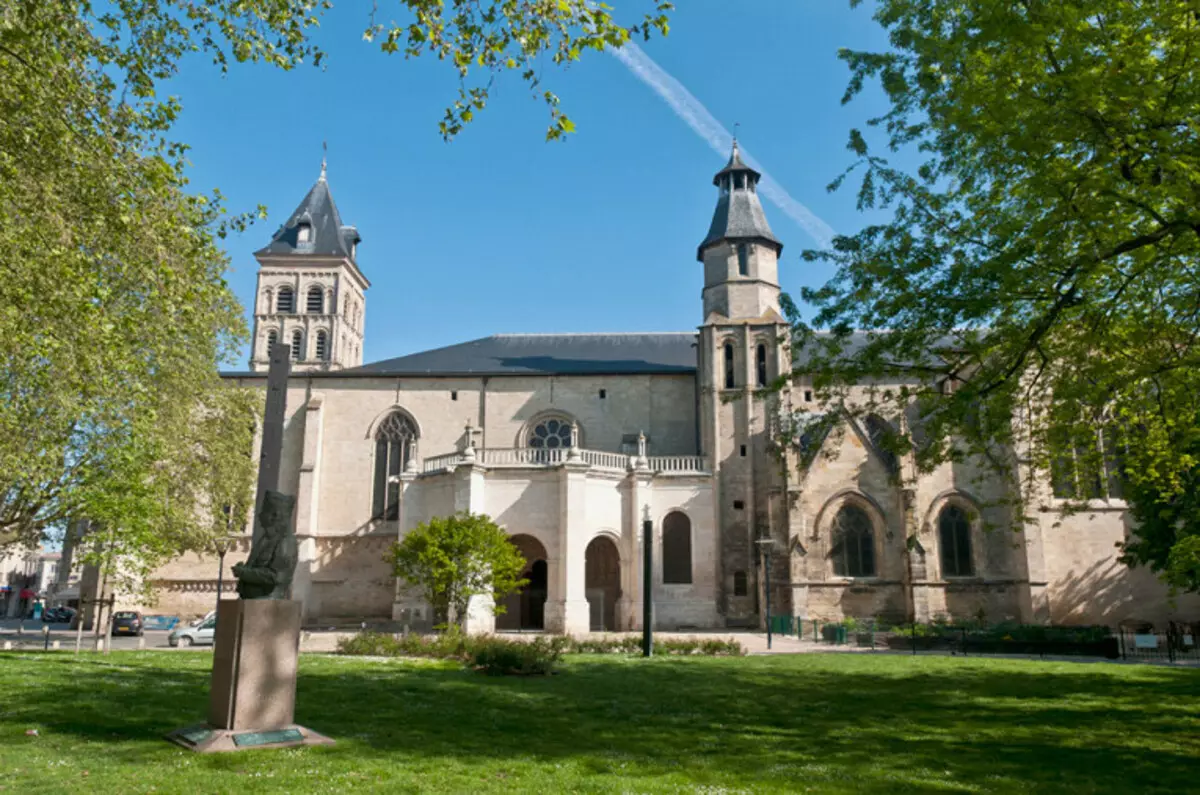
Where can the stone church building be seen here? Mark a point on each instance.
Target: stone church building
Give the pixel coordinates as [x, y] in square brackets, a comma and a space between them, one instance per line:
[570, 441]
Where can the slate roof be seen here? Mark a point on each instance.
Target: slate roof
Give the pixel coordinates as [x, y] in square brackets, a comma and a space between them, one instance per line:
[739, 214]
[330, 237]
[548, 354]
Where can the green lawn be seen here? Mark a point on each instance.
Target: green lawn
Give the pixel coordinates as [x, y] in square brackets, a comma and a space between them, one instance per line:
[818, 723]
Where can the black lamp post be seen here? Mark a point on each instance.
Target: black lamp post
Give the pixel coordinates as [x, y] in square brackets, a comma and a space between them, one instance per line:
[765, 544]
[647, 583]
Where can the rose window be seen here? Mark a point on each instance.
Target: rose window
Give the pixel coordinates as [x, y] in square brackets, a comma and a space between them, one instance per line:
[550, 435]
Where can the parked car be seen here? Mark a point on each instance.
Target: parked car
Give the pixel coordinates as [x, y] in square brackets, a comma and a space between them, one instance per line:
[127, 622]
[58, 615]
[200, 635]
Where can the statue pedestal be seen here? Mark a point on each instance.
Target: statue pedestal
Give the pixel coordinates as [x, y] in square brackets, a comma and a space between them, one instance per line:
[252, 697]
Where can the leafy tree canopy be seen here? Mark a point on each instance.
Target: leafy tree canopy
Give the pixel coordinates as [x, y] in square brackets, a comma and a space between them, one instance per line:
[1041, 263]
[454, 558]
[114, 311]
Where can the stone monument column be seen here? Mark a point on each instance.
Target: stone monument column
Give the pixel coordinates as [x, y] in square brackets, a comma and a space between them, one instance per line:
[252, 694]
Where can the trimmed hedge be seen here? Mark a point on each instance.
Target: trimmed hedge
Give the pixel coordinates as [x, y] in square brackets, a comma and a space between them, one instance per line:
[525, 657]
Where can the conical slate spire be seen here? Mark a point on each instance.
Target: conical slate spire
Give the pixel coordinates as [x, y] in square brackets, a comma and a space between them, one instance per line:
[739, 215]
[326, 236]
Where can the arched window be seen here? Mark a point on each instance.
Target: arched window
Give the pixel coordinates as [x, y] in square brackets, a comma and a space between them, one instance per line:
[285, 300]
[729, 382]
[297, 345]
[272, 338]
[739, 583]
[743, 256]
[677, 549]
[881, 433]
[760, 363]
[853, 543]
[954, 532]
[394, 443]
[322, 346]
[316, 301]
[552, 433]
[304, 233]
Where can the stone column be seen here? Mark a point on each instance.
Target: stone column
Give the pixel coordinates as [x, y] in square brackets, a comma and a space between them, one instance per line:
[629, 606]
[567, 609]
[402, 603]
[307, 504]
[470, 484]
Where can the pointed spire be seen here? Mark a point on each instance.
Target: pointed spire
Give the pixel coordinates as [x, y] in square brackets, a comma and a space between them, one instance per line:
[739, 214]
[325, 156]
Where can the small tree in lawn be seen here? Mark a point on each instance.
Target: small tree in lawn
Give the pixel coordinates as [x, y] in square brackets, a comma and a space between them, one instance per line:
[452, 558]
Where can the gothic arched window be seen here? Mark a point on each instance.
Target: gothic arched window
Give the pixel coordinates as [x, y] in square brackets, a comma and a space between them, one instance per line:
[285, 300]
[729, 380]
[394, 447]
[760, 363]
[550, 434]
[322, 346]
[297, 345]
[954, 532]
[316, 301]
[853, 543]
[677, 549]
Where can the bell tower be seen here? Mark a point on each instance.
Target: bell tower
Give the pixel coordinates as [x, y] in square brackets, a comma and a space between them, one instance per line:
[311, 295]
[742, 352]
[740, 254]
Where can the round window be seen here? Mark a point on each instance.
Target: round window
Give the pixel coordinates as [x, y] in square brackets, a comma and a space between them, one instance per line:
[550, 435]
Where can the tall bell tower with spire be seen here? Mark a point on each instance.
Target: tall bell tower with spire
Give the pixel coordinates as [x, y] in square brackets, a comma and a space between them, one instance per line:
[742, 351]
[311, 294]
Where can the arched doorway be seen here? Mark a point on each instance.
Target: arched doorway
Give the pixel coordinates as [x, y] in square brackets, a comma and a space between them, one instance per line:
[526, 609]
[602, 581]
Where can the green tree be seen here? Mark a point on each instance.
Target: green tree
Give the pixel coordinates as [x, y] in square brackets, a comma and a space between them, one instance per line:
[114, 310]
[1041, 262]
[453, 558]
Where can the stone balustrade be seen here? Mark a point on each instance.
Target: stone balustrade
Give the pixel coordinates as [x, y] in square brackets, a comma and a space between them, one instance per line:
[532, 458]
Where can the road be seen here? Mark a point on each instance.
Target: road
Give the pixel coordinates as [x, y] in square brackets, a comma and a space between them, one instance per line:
[31, 637]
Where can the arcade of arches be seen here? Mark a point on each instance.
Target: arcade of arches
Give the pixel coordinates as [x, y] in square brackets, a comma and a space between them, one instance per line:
[526, 609]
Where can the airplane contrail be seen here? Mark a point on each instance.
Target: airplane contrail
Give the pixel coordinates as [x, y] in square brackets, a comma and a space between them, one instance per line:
[695, 115]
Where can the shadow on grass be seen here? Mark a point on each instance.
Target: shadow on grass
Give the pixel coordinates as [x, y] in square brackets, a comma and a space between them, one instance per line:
[869, 724]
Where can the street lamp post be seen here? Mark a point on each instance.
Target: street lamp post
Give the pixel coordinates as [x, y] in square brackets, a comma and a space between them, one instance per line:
[765, 544]
[647, 583]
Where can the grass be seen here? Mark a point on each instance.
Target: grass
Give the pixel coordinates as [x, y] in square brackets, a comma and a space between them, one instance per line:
[818, 723]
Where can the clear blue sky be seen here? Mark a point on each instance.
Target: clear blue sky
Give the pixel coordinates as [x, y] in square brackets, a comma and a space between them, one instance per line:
[502, 232]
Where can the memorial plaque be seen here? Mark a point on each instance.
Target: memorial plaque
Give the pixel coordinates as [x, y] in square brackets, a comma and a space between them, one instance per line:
[267, 738]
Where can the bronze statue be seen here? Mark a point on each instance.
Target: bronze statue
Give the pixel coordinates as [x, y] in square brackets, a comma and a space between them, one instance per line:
[267, 573]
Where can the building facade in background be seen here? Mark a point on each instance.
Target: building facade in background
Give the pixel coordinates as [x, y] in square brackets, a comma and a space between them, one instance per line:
[571, 441]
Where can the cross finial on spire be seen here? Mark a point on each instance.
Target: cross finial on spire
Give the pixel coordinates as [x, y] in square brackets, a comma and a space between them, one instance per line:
[736, 124]
[324, 156]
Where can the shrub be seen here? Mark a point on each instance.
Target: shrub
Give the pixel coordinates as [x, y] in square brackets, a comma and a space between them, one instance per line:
[503, 657]
[525, 657]
[374, 644]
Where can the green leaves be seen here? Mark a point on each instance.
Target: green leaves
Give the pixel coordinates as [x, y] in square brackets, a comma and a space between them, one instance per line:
[454, 558]
[485, 39]
[1041, 271]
